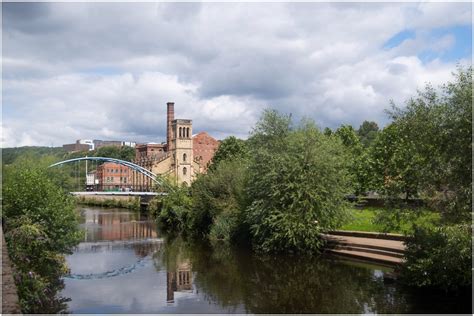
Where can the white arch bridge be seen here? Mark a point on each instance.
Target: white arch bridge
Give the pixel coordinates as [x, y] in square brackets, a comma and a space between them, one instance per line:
[146, 174]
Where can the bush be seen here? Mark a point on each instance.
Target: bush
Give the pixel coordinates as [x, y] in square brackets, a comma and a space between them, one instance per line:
[40, 226]
[219, 200]
[439, 257]
[297, 183]
[175, 210]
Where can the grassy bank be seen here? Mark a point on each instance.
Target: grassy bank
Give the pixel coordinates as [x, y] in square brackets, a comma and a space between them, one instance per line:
[365, 219]
[132, 203]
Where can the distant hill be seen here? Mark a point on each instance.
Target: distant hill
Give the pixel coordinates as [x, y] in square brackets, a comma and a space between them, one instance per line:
[9, 155]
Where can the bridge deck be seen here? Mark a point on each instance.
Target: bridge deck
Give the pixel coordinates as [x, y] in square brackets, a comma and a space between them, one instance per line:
[119, 193]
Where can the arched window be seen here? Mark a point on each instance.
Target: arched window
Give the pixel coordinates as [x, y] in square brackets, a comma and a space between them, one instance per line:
[185, 170]
[180, 132]
[187, 132]
[184, 157]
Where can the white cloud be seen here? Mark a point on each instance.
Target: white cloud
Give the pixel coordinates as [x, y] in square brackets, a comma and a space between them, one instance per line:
[107, 70]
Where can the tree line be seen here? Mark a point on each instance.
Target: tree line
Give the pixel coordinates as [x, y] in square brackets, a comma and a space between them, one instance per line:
[288, 182]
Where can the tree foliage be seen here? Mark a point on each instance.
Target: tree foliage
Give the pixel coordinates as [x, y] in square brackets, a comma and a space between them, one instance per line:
[359, 159]
[219, 198]
[427, 149]
[297, 182]
[367, 132]
[439, 258]
[229, 149]
[40, 227]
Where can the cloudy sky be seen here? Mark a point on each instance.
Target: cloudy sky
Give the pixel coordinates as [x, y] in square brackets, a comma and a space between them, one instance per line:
[106, 71]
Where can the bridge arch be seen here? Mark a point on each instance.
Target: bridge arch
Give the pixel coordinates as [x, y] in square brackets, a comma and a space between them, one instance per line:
[155, 178]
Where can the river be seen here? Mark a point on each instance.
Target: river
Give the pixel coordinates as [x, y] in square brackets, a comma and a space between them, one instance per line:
[126, 265]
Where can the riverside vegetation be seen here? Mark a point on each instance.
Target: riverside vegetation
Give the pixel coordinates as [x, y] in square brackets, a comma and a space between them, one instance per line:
[40, 225]
[278, 190]
[287, 183]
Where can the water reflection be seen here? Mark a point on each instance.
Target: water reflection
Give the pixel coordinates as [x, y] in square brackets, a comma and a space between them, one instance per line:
[179, 281]
[116, 225]
[126, 266]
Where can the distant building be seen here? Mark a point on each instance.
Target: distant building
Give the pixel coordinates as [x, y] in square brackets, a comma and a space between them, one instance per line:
[150, 150]
[117, 143]
[76, 147]
[92, 182]
[88, 144]
[204, 148]
[181, 158]
[113, 177]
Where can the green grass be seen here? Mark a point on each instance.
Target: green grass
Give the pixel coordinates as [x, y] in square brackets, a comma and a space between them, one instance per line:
[364, 220]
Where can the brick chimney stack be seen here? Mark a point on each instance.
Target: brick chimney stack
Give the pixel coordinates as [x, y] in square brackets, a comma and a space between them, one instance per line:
[169, 119]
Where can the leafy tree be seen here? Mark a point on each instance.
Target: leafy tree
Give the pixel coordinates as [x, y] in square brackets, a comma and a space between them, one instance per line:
[327, 131]
[40, 227]
[230, 148]
[359, 158]
[396, 164]
[367, 132]
[176, 208]
[219, 200]
[429, 149]
[349, 137]
[296, 187]
[439, 257]
[10, 155]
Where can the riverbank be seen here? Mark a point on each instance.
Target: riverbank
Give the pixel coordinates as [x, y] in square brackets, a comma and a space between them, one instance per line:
[127, 202]
[10, 301]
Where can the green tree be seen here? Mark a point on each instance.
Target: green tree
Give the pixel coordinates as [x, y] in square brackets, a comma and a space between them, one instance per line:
[359, 159]
[431, 144]
[219, 199]
[230, 148]
[296, 187]
[40, 227]
[439, 257]
[327, 131]
[396, 164]
[367, 132]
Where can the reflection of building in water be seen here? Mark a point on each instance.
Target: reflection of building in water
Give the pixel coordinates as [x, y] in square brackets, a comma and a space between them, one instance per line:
[141, 248]
[118, 226]
[180, 280]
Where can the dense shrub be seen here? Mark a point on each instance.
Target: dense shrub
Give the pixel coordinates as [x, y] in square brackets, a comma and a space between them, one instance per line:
[219, 199]
[175, 209]
[297, 182]
[439, 257]
[40, 226]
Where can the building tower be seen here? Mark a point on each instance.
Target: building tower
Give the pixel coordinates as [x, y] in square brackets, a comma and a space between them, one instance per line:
[182, 150]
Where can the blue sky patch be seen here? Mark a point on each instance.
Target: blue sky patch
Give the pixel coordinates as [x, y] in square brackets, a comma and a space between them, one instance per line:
[461, 48]
[103, 71]
[398, 38]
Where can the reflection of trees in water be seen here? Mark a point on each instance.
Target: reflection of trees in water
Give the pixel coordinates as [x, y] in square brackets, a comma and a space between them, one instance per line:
[282, 284]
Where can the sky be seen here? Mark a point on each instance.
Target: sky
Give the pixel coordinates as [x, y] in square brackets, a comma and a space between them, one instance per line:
[106, 70]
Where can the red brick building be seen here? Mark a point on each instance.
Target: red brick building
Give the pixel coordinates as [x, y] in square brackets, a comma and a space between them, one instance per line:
[151, 150]
[204, 147]
[113, 176]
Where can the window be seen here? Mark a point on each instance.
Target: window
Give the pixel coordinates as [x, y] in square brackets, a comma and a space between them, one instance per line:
[180, 132]
[185, 170]
[187, 132]
[184, 157]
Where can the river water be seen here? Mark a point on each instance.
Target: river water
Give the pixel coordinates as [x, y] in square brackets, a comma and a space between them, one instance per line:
[125, 265]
